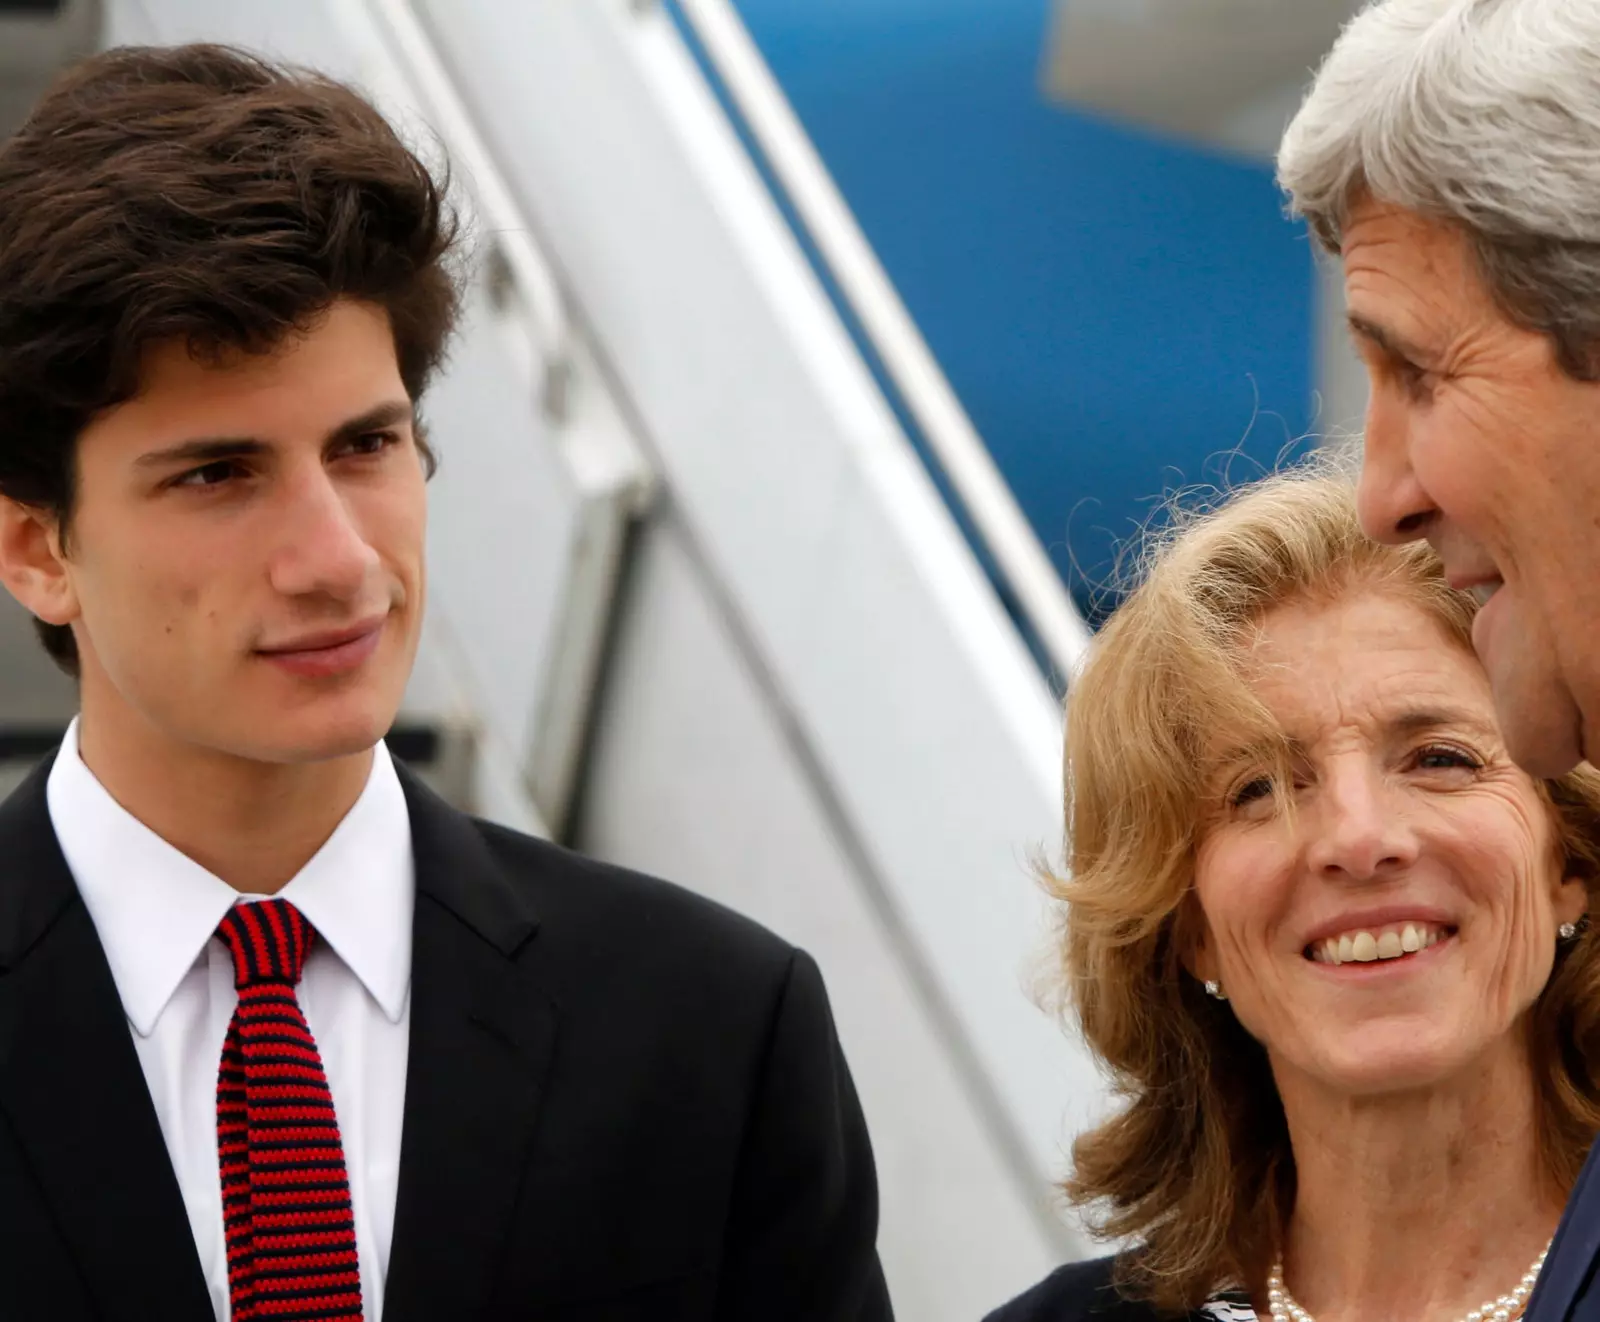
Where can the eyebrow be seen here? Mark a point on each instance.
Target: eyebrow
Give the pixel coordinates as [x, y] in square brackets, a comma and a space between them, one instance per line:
[1391, 342]
[1413, 721]
[1419, 719]
[211, 449]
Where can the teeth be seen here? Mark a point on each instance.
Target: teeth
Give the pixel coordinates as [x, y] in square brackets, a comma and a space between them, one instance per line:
[1369, 947]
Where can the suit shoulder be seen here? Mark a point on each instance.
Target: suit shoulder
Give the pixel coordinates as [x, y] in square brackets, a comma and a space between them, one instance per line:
[575, 890]
[1078, 1292]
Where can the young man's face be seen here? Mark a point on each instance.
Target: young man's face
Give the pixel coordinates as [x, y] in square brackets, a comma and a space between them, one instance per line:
[244, 563]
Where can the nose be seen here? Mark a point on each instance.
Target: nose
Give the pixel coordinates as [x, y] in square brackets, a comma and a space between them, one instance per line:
[320, 548]
[1392, 504]
[1356, 830]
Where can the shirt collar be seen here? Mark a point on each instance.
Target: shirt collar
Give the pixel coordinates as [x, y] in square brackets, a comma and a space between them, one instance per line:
[155, 908]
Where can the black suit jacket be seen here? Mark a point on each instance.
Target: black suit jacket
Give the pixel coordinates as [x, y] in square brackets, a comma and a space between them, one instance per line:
[1079, 1292]
[622, 1103]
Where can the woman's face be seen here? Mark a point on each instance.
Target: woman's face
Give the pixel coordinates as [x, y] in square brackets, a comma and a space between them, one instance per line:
[1392, 930]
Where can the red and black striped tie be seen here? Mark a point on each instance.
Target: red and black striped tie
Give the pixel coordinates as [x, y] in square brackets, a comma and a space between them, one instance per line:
[285, 1194]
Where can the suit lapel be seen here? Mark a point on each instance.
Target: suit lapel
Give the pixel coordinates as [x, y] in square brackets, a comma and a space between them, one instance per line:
[72, 1089]
[482, 1034]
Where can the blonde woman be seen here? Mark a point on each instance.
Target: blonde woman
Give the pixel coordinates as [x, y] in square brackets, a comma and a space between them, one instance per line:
[1329, 940]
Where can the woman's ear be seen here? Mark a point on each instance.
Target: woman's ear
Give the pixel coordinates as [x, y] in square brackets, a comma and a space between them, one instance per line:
[1194, 949]
[1572, 897]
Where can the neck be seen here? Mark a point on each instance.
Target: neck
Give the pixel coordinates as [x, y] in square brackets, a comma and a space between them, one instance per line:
[1419, 1205]
[253, 824]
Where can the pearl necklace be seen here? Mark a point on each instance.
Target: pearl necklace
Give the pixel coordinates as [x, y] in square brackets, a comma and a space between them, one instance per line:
[1507, 1306]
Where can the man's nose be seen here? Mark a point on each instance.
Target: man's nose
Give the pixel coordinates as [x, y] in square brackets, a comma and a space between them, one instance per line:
[1392, 504]
[320, 547]
[1357, 830]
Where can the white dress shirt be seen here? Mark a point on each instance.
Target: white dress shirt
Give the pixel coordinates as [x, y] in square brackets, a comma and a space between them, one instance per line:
[156, 912]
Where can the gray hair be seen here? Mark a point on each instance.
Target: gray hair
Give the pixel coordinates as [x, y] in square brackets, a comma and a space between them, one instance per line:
[1484, 114]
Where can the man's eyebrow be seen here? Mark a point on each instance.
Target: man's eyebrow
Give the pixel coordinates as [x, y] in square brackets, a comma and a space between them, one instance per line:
[1391, 342]
[213, 449]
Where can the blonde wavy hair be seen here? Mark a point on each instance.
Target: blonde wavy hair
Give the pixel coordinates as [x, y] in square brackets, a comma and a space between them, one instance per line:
[1196, 1166]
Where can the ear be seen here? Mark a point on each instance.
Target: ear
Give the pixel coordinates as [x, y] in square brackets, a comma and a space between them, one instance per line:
[32, 564]
[1194, 947]
[1571, 898]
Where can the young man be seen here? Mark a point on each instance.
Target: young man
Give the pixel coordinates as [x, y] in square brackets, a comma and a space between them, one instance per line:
[281, 1034]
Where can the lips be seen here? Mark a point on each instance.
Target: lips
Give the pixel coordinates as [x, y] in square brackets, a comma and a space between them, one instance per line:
[324, 641]
[327, 654]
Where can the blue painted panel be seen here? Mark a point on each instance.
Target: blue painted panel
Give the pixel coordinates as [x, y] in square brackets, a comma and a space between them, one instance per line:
[1113, 309]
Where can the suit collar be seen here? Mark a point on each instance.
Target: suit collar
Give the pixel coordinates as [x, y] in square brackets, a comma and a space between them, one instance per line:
[483, 1033]
[155, 908]
[456, 868]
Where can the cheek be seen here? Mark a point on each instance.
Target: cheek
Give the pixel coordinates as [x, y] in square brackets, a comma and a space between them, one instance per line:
[159, 593]
[1242, 883]
[1457, 460]
[394, 523]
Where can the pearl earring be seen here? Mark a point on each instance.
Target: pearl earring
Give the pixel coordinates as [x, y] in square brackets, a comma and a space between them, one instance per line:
[1214, 990]
[1567, 931]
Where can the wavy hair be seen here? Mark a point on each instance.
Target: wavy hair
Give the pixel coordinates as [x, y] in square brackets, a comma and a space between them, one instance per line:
[1196, 1165]
[203, 195]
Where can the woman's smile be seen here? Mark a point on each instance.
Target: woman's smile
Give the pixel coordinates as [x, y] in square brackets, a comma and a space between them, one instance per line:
[1389, 944]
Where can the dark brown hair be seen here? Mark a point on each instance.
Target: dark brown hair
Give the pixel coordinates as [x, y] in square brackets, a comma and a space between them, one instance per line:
[199, 194]
[1196, 1166]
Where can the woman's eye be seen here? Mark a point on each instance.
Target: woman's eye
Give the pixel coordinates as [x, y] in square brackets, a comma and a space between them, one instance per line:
[1251, 791]
[1441, 757]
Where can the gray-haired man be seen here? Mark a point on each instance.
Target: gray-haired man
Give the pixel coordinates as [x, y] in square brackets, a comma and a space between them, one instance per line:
[1449, 152]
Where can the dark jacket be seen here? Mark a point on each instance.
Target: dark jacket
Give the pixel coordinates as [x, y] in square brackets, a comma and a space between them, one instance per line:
[1569, 1286]
[623, 1104]
[1078, 1292]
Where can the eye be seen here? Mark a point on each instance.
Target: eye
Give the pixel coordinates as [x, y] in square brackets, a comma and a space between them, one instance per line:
[372, 443]
[1414, 380]
[1445, 757]
[208, 475]
[1251, 791]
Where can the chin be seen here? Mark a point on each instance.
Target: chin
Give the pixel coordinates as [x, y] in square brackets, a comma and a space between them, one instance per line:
[319, 733]
[1398, 1054]
[1547, 737]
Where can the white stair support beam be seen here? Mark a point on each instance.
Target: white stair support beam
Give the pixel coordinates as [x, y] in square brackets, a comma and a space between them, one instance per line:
[609, 473]
[922, 385]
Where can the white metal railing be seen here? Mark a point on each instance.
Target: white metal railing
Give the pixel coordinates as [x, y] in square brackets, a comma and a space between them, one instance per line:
[910, 365]
[609, 474]
[517, 269]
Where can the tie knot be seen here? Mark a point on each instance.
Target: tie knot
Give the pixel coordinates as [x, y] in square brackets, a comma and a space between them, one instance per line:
[269, 939]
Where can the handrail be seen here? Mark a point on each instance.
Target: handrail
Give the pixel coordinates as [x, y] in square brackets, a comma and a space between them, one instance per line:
[906, 358]
[516, 266]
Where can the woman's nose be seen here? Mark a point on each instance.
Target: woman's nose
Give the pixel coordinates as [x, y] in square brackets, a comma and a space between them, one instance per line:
[1356, 828]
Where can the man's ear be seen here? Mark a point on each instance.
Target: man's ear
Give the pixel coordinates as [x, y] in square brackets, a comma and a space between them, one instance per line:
[32, 564]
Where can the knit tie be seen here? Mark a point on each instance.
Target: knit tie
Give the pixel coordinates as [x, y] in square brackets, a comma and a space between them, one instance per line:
[285, 1195]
